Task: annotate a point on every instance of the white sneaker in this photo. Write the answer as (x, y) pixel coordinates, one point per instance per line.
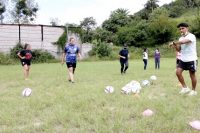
(184, 90)
(192, 93)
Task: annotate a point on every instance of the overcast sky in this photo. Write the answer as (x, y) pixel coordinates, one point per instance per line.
(74, 11)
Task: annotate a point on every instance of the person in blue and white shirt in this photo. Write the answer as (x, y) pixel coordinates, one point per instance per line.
(188, 59)
(70, 53)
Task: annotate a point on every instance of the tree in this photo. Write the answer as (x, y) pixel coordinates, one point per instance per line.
(2, 10)
(151, 5)
(24, 11)
(88, 24)
(117, 19)
(54, 21)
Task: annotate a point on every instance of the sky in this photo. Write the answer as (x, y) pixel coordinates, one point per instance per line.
(74, 11)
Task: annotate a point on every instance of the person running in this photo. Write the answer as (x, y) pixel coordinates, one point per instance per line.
(70, 54)
(124, 55)
(25, 56)
(145, 58)
(188, 58)
(157, 58)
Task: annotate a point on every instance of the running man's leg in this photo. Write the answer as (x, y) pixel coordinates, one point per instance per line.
(193, 79)
(126, 66)
(122, 66)
(179, 72)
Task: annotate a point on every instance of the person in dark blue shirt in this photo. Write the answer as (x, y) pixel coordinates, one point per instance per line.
(124, 55)
(70, 54)
(25, 56)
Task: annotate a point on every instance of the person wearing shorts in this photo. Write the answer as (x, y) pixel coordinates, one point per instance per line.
(25, 56)
(145, 58)
(70, 54)
(188, 58)
(124, 55)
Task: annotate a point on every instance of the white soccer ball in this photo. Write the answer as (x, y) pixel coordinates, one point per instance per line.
(26, 92)
(145, 83)
(109, 89)
(153, 78)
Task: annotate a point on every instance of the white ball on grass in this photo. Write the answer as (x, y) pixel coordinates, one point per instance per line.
(26, 92)
(109, 89)
(145, 83)
(153, 78)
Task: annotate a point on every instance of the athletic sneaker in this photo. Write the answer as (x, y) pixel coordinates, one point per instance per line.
(192, 93)
(184, 90)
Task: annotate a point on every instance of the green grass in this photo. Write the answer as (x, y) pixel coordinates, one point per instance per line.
(58, 106)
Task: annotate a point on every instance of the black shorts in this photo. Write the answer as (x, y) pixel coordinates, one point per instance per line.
(124, 63)
(69, 64)
(191, 66)
(177, 62)
(25, 62)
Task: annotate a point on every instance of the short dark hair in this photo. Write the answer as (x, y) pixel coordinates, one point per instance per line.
(182, 25)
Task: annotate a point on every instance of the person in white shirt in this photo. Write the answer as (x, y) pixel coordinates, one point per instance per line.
(188, 58)
(145, 58)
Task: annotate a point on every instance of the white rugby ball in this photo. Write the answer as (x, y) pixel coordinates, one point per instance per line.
(26, 92)
(109, 89)
(153, 77)
(145, 83)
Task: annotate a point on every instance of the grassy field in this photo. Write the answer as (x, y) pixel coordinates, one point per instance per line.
(59, 106)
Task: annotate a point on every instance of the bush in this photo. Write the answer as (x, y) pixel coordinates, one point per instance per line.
(15, 50)
(40, 56)
(5, 59)
(101, 49)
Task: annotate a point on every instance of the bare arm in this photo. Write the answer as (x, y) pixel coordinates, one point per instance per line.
(63, 57)
(122, 57)
(19, 55)
(79, 56)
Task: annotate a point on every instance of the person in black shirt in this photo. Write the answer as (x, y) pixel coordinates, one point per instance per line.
(25, 56)
(124, 55)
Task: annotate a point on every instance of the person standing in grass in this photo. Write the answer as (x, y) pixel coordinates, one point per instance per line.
(124, 55)
(188, 58)
(145, 58)
(70, 55)
(25, 56)
(157, 58)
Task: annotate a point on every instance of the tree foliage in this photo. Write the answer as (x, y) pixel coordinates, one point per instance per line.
(24, 11)
(117, 19)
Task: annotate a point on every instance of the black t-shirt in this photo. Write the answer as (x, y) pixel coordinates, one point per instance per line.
(27, 54)
(124, 52)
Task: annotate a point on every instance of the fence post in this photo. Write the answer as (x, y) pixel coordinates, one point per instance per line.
(19, 33)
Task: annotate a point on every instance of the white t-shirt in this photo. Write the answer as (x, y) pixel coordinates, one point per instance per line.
(188, 51)
(145, 55)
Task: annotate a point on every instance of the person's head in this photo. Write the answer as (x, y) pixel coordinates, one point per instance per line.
(72, 40)
(183, 27)
(157, 50)
(125, 46)
(27, 46)
(145, 49)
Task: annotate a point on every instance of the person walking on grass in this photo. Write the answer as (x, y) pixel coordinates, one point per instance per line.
(157, 58)
(145, 58)
(188, 58)
(124, 55)
(25, 56)
(70, 55)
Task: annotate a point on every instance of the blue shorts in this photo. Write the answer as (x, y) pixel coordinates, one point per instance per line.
(191, 66)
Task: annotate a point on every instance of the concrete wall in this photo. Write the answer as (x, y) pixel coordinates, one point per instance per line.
(32, 34)
(39, 36)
